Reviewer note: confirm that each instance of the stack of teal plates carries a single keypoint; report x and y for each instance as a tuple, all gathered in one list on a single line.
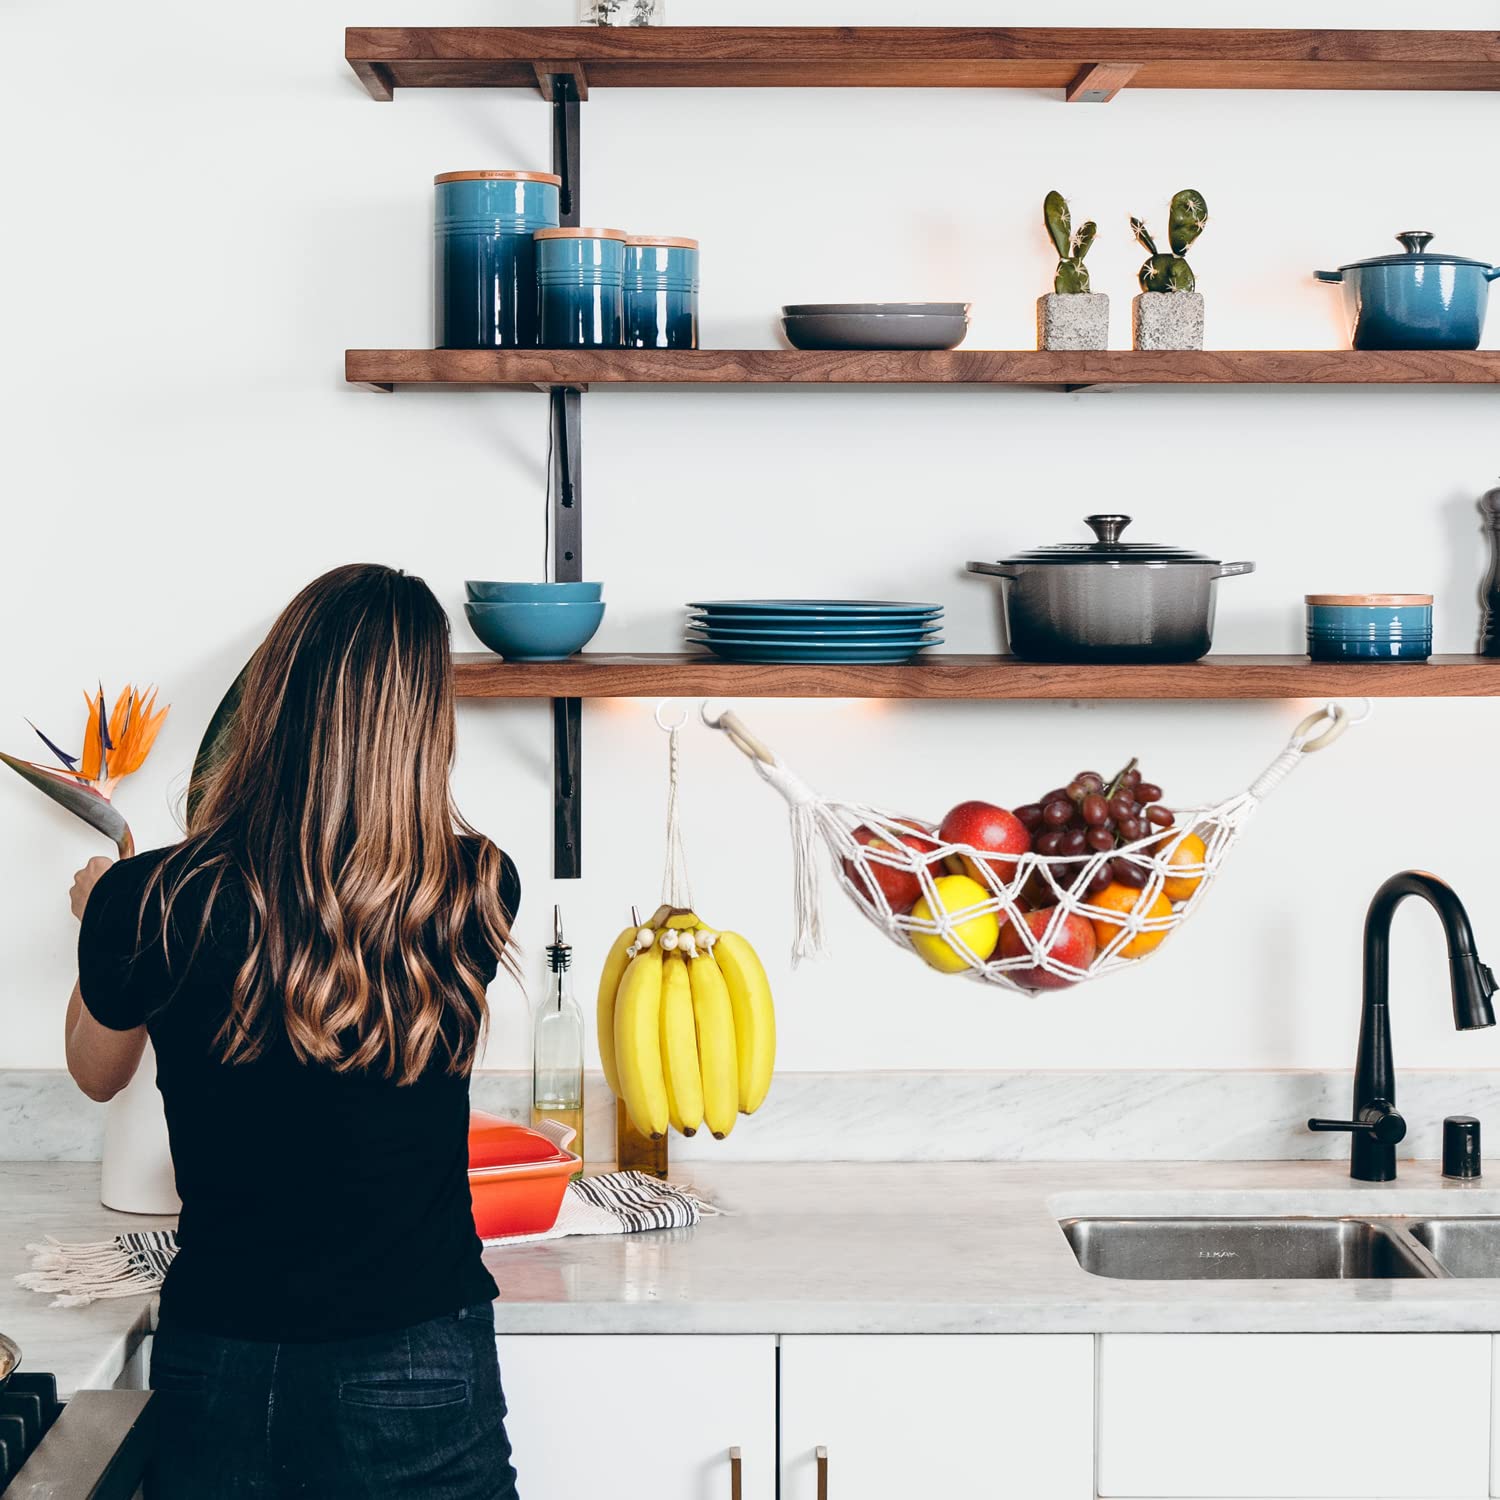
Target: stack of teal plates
[(814, 630)]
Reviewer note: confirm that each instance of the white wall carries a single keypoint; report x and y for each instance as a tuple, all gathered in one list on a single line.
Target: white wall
[(203, 212)]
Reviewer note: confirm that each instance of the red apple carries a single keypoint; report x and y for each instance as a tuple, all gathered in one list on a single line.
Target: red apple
[(900, 887), (1072, 944), (982, 825)]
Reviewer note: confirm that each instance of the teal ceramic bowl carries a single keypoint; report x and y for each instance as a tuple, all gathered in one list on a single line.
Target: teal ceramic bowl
[(536, 632), (1369, 627), (485, 591)]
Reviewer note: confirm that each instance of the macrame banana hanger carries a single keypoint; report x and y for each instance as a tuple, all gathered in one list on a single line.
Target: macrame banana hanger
[(676, 889), (1176, 867)]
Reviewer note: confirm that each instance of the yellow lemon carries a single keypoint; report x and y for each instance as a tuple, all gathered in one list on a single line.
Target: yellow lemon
[(1188, 855), (980, 932)]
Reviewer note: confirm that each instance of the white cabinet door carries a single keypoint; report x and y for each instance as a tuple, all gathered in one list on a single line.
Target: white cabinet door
[(1361, 1415), (977, 1416), (640, 1416)]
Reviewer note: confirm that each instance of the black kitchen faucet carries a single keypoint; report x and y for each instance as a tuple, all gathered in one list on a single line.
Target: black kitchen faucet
[(1376, 1126)]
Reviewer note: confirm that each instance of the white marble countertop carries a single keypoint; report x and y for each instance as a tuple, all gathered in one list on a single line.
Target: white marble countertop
[(929, 1247)]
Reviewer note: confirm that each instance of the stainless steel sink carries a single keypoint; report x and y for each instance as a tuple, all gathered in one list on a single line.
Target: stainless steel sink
[(1246, 1249), (1463, 1247)]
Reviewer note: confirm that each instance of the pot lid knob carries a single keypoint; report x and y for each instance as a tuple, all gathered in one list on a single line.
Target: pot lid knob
[(1415, 241), (1107, 528)]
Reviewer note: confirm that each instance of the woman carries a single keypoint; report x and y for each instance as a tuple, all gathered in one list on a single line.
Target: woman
[(310, 964)]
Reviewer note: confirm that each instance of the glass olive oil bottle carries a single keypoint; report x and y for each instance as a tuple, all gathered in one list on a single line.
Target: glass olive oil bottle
[(557, 1045)]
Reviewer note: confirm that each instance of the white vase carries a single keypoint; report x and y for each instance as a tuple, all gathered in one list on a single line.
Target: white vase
[(135, 1175)]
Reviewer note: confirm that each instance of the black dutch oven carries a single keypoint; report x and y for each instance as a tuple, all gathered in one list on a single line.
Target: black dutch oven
[(1108, 600)]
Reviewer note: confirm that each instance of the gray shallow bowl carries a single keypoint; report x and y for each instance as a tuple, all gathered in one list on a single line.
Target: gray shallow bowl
[(875, 330), (878, 309)]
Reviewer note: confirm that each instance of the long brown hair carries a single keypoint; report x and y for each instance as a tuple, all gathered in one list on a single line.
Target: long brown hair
[(330, 804)]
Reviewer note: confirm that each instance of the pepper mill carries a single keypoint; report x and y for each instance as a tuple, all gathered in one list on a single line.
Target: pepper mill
[(1490, 505)]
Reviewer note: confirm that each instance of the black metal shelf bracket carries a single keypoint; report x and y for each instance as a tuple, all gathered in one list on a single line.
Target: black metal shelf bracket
[(565, 416)]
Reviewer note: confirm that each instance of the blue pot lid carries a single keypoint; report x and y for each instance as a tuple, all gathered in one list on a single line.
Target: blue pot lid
[(1415, 254), (1109, 548)]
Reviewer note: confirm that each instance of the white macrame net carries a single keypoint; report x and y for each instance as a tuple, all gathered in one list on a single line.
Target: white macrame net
[(1171, 870)]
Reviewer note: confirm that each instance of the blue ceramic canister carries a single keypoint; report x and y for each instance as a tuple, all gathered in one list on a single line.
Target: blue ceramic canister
[(581, 276), (485, 292), (661, 292), (1369, 627)]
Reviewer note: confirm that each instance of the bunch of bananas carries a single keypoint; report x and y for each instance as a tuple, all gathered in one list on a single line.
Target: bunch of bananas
[(687, 1032)]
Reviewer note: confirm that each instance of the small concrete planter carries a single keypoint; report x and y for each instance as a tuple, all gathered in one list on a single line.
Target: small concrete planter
[(1168, 320), (1075, 320)]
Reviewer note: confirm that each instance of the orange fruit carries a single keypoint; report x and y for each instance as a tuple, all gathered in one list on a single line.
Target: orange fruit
[(1124, 899), (1188, 854)]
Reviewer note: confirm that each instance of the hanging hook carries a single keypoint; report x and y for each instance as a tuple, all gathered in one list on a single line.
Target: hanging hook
[(663, 725)]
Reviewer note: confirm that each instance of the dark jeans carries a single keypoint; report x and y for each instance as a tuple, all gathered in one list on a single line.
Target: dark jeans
[(416, 1413)]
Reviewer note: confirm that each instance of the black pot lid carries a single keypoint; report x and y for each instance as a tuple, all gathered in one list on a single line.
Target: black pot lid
[(1415, 254), (1109, 548)]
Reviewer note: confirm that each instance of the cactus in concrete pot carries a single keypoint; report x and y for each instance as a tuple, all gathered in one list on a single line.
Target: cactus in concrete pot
[(1169, 312), (1072, 316), (1072, 277)]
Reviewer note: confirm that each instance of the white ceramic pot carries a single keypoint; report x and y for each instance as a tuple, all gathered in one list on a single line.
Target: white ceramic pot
[(136, 1175)]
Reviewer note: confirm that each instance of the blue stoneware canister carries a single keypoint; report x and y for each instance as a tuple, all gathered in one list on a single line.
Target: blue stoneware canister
[(485, 293), (1418, 300), (1369, 627), (581, 276), (661, 292)]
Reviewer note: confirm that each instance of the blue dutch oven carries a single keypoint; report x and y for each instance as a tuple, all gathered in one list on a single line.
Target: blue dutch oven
[(1415, 300)]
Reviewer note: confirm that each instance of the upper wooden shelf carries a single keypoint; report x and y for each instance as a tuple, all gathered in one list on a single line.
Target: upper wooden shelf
[(528, 369), (942, 675), (1041, 57)]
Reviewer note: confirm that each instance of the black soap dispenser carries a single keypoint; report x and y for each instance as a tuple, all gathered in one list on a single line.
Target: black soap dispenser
[(1461, 1158)]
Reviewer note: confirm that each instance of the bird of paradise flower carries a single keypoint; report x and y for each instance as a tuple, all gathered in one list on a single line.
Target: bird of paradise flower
[(115, 744)]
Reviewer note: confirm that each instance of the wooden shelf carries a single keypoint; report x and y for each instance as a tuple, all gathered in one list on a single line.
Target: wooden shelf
[(1042, 57), (532, 369), (948, 676)]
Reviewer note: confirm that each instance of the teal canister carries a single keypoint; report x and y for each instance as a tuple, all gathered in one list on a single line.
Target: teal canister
[(661, 292), (581, 276), (484, 260)]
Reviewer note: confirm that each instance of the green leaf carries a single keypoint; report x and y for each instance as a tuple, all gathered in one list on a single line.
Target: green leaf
[(1058, 220), (1084, 239), (215, 742), (78, 798), (1189, 214), (1143, 234), (1072, 277)]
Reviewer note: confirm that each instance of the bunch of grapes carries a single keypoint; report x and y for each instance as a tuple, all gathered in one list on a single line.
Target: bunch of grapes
[(1090, 815)]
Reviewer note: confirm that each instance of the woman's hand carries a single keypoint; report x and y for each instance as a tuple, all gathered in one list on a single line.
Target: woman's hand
[(85, 881)]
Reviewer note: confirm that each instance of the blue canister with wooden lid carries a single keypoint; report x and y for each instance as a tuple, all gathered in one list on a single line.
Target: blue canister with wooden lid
[(485, 289), (581, 277), (661, 292), (1369, 627)]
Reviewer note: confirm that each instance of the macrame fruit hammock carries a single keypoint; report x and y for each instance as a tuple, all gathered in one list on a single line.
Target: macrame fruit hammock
[(686, 1024), (1023, 920)]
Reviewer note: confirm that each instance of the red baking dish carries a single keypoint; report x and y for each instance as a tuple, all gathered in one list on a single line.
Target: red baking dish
[(517, 1177)]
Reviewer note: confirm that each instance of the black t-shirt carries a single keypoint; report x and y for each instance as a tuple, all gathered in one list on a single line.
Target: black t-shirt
[(315, 1205)]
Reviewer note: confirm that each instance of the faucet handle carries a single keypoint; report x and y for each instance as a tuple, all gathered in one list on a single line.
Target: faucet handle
[(1379, 1120)]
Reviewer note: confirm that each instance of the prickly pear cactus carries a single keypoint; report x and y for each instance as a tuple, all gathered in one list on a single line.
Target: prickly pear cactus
[(1072, 275), (1169, 271)]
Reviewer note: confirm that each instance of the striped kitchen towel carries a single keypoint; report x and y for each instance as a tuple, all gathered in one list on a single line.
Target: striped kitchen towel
[(132, 1265)]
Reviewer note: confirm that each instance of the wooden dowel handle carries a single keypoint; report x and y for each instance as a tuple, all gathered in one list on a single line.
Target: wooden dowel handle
[(736, 1475), (821, 1454)]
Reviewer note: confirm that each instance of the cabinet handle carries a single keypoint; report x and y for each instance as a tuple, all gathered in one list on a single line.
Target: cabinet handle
[(736, 1477), (821, 1454)]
